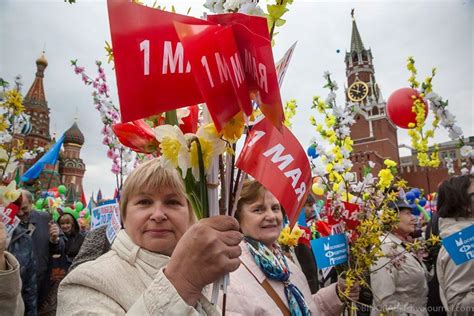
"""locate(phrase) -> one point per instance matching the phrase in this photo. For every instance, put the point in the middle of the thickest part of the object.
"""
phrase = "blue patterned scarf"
(275, 267)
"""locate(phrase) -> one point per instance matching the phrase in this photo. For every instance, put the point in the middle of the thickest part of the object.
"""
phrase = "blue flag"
(330, 251)
(460, 245)
(49, 158)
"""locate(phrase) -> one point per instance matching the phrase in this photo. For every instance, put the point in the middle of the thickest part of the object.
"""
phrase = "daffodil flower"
(290, 238)
(211, 147)
(4, 167)
(9, 193)
(234, 128)
(174, 147)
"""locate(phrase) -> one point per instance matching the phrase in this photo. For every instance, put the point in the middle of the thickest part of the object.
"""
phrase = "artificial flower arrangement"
(289, 237)
(14, 125)
(123, 158)
(361, 207)
(409, 109)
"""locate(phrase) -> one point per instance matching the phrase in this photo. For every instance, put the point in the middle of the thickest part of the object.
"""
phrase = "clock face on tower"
(357, 91)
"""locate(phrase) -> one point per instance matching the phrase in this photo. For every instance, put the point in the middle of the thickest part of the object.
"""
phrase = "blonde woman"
(161, 261)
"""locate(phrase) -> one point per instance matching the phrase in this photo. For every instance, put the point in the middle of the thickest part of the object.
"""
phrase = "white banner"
(102, 215)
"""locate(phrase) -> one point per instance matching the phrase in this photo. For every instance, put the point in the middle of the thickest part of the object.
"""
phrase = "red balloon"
(399, 107)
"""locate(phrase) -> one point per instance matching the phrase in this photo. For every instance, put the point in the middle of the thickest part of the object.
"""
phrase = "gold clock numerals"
(358, 91)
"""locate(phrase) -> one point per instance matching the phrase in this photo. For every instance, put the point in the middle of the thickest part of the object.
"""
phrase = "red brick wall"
(427, 179)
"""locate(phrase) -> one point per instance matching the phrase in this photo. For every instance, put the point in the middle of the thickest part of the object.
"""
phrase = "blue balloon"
(422, 202)
(417, 192)
(415, 210)
(410, 196)
(311, 151)
(338, 50)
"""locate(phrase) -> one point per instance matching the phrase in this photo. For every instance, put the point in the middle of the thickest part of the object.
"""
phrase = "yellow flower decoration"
(234, 128)
(401, 184)
(419, 138)
(284, 236)
(434, 240)
(256, 113)
(211, 147)
(9, 193)
(174, 147)
(14, 101)
(385, 178)
(290, 239)
(390, 163)
(3, 124)
(329, 167)
(290, 111)
(330, 121)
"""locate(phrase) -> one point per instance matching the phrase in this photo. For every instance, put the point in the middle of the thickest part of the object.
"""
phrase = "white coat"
(126, 280)
(398, 281)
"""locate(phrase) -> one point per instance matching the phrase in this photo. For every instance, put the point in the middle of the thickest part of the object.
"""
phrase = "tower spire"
(35, 96)
(37, 107)
(356, 40)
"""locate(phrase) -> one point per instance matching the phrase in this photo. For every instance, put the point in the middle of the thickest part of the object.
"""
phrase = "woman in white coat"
(160, 262)
(399, 279)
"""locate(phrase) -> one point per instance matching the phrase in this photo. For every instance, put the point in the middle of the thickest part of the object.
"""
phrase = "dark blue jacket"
(43, 249)
(21, 246)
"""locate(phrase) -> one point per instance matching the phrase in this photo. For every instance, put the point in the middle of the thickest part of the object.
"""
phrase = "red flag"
(257, 24)
(153, 72)
(349, 214)
(323, 228)
(83, 199)
(253, 41)
(217, 69)
(10, 212)
(279, 163)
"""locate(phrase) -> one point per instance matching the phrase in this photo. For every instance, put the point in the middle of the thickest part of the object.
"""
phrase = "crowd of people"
(164, 262)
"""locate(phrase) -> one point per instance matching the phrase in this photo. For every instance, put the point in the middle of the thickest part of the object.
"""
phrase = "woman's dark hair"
(252, 190)
(453, 199)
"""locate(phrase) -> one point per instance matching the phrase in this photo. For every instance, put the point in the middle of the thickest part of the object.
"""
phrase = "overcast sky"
(437, 33)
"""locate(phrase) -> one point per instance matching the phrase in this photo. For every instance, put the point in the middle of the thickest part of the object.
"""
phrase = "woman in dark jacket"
(62, 259)
(74, 237)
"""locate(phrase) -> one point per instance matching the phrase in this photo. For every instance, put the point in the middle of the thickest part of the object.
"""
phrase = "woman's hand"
(53, 232)
(354, 291)
(207, 251)
(3, 246)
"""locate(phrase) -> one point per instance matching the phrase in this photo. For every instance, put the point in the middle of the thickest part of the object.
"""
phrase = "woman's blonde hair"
(148, 177)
